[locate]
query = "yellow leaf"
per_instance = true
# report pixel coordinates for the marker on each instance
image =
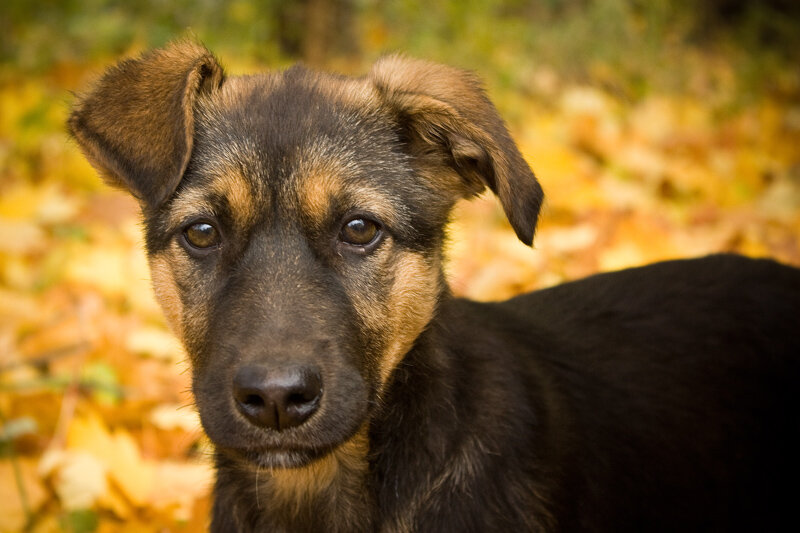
(79, 477)
(585, 101)
(132, 474)
(55, 207)
(46, 204)
(654, 120)
(642, 161)
(177, 485)
(12, 516)
(567, 239)
(118, 452)
(171, 416)
(116, 503)
(103, 267)
(18, 305)
(20, 236)
(154, 342)
(624, 255)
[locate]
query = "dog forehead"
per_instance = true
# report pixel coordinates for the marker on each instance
(272, 122)
(286, 107)
(302, 137)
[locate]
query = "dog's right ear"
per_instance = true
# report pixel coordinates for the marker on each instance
(136, 126)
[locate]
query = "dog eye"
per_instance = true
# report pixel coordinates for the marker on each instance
(359, 232)
(201, 235)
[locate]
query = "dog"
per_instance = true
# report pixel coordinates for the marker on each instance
(294, 226)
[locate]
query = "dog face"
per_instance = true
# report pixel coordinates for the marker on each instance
(300, 237)
(294, 225)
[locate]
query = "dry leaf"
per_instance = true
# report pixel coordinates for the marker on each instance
(172, 416)
(118, 452)
(79, 477)
(12, 514)
(154, 342)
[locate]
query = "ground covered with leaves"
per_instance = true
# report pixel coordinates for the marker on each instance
(97, 428)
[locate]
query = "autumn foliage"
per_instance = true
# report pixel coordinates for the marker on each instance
(97, 428)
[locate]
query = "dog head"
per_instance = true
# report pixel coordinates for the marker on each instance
(294, 226)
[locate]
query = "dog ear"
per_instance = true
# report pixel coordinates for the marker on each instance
(447, 119)
(137, 125)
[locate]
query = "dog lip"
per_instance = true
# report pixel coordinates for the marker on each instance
(268, 457)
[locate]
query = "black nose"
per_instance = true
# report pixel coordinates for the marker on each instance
(277, 398)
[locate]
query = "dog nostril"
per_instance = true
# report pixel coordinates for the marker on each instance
(278, 398)
(254, 400)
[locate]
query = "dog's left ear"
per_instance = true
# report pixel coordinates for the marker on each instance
(447, 120)
(137, 126)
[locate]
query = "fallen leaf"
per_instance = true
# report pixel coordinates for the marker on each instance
(172, 416)
(178, 485)
(117, 451)
(154, 342)
(12, 513)
(21, 236)
(79, 477)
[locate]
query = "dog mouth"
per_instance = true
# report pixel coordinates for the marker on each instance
(275, 457)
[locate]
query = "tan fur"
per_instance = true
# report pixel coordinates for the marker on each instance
(190, 203)
(230, 184)
(237, 190)
(187, 322)
(348, 462)
(411, 307)
(167, 292)
(356, 92)
(315, 191)
(324, 177)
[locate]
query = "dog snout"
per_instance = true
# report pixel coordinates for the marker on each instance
(277, 398)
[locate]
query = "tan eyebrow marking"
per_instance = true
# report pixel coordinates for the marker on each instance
(229, 184)
(321, 179)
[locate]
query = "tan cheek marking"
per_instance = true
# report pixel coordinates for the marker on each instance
(167, 292)
(345, 465)
(410, 308)
(186, 323)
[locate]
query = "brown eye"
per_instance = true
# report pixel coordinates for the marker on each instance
(359, 232)
(201, 235)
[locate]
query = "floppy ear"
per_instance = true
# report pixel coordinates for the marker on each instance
(447, 119)
(136, 126)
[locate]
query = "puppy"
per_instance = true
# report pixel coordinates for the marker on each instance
(294, 226)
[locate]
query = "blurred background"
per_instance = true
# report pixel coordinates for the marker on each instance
(659, 129)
